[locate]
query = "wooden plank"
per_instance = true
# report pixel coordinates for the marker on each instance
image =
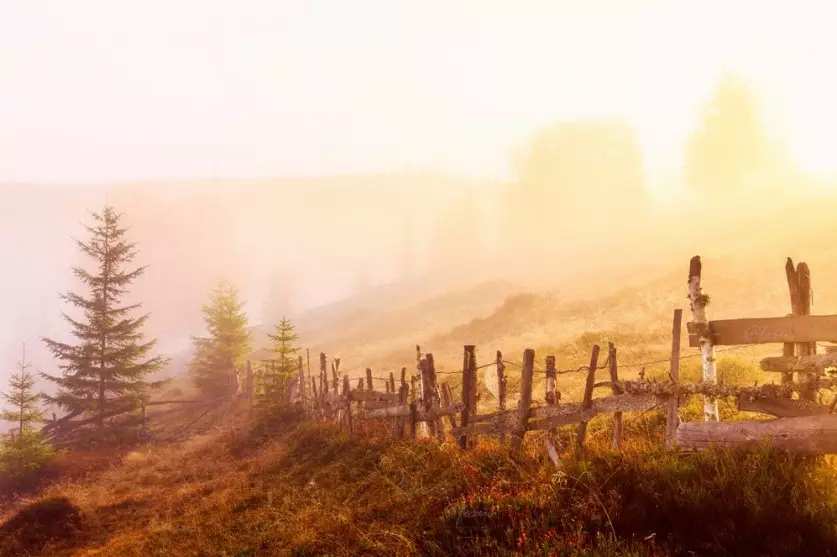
(368, 396)
(525, 402)
(546, 417)
(782, 408)
(672, 418)
(580, 417)
(809, 434)
(404, 410)
(791, 364)
(765, 330)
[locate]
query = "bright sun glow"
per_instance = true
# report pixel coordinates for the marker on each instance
(94, 91)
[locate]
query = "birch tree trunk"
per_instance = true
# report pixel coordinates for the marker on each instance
(707, 350)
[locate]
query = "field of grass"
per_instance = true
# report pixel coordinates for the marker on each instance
(278, 487)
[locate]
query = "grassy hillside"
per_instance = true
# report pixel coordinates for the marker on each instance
(280, 488)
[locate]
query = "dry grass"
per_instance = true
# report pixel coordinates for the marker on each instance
(278, 487)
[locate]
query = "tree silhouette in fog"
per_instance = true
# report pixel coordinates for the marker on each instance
(731, 147)
(588, 171)
(109, 365)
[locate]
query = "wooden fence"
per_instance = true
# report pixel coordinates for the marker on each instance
(421, 404)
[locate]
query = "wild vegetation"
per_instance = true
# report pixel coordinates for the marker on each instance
(223, 478)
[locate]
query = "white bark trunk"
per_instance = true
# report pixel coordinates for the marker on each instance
(707, 349)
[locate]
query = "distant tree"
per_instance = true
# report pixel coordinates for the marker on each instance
(574, 170)
(108, 367)
(731, 145)
(25, 449)
(217, 356)
(275, 379)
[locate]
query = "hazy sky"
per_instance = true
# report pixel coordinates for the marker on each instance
(97, 90)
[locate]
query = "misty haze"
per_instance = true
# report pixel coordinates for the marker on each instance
(418, 278)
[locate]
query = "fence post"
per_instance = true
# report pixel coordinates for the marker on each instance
(314, 393)
(432, 402)
(392, 382)
(369, 379)
(348, 409)
(447, 400)
(672, 419)
(525, 402)
(501, 387)
(613, 367)
(789, 348)
(335, 372)
(398, 423)
(809, 390)
(467, 380)
(550, 380)
(300, 371)
(587, 403)
(699, 300)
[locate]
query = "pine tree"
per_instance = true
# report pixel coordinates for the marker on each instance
(283, 367)
(218, 355)
(108, 368)
(25, 449)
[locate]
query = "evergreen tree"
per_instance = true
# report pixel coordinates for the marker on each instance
(108, 368)
(25, 448)
(218, 355)
(283, 367)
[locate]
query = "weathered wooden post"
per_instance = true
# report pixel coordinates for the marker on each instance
(335, 373)
(700, 323)
(587, 403)
(315, 393)
(672, 418)
(501, 388)
(447, 400)
(525, 402)
(432, 402)
(300, 372)
(348, 410)
(392, 382)
(550, 380)
(807, 379)
(789, 348)
(613, 367)
(369, 380)
(468, 384)
(308, 356)
(359, 383)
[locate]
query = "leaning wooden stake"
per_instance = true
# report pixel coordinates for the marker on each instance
(369, 379)
(587, 403)
(699, 300)
(672, 418)
(613, 368)
(525, 402)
